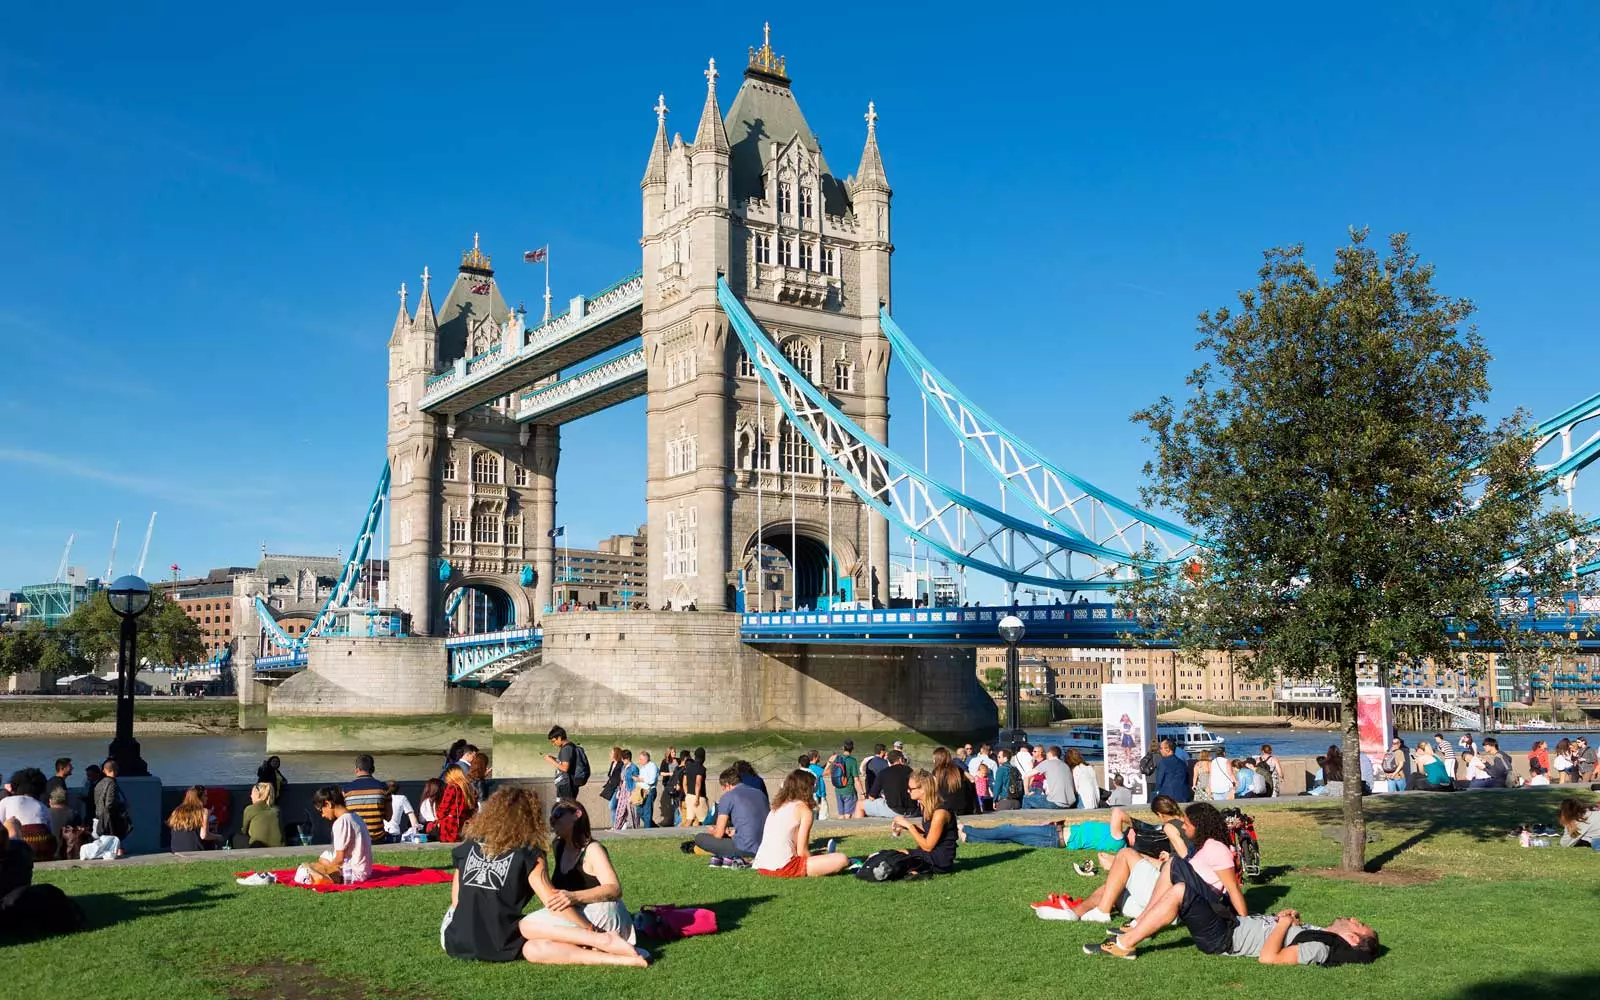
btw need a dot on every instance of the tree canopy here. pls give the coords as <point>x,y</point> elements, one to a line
<point>1357,504</point>
<point>86,640</point>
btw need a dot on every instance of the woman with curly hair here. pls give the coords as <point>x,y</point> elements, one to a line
<point>584,921</point>
<point>457,803</point>
<point>497,866</point>
<point>785,850</point>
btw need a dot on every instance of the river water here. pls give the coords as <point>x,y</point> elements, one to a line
<point>232,759</point>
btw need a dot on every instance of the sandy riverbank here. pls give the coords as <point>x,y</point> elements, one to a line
<point>142,726</point>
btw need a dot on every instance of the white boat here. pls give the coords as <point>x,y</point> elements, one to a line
<point>1193,738</point>
<point>1084,739</point>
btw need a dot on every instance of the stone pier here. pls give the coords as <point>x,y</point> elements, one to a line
<point>375,695</point>
<point>623,676</point>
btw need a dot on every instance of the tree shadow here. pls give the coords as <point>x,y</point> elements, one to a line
<point>1259,898</point>
<point>1273,872</point>
<point>1536,986</point>
<point>731,911</point>
<point>108,909</point>
<point>969,863</point>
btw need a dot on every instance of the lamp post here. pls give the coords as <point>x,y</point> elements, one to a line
<point>1011,632</point>
<point>129,597</point>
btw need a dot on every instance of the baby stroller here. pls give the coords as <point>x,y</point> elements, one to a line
<point>1246,848</point>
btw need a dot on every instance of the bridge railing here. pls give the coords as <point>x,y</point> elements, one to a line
<point>599,376</point>
<point>501,637</point>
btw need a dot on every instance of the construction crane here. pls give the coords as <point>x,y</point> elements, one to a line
<point>145,551</point>
<point>111,563</point>
<point>66,554</point>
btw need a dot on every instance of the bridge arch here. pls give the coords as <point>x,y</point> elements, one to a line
<point>490,603</point>
<point>796,557</point>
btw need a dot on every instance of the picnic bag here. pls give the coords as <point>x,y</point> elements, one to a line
<point>671,923</point>
<point>890,866</point>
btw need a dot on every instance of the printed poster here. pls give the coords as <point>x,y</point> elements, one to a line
<point>1374,723</point>
<point>1128,715</point>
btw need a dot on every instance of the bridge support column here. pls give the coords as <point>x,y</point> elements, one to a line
<point>546,449</point>
<point>252,693</point>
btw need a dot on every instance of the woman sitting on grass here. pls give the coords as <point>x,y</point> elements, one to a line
<point>1580,824</point>
<point>500,867</point>
<point>785,850</point>
<point>191,823</point>
<point>937,837</point>
<point>1430,774</point>
<point>584,921</point>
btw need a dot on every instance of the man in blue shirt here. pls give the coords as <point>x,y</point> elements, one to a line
<point>741,816</point>
<point>1172,775</point>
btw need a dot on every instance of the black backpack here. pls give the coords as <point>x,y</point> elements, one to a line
<point>580,767</point>
<point>1147,764</point>
<point>891,866</point>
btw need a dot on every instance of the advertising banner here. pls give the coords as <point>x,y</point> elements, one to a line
<point>1375,723</point>
<point>1128,716</point>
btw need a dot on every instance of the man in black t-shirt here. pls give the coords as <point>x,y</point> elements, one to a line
<point>692,782</point>
<point>871,768</point>
<point>893,798</point>
<point>563,760</point>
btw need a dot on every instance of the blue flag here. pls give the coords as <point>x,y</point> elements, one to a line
<point>557,532</point>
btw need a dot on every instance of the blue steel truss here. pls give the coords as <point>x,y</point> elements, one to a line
<point>1068,503</point>
<point>481,659</point>
<point>961,528</point>
<point>344,588</point>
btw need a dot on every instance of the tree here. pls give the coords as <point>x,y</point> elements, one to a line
<point>167,635</point>
<point>994,680</point>
<point>1356,505</point>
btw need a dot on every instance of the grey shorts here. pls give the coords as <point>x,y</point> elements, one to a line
<point>877,808</point>
<point>607,916</point>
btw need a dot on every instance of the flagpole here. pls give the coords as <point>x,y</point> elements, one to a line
<point>547,284</point>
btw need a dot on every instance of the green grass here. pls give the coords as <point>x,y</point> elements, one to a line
<point>1482,919</point>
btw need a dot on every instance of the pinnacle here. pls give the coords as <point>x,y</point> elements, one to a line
<point>711,135</point>
<point>425,321</point>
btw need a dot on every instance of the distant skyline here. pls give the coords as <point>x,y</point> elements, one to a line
<point>208,213</point>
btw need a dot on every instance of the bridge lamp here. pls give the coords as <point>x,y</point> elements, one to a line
<point>1011,632</point>
<point>130,598</point>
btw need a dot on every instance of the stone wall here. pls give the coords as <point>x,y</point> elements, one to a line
<point>679,675</point>
<point>373,695</point>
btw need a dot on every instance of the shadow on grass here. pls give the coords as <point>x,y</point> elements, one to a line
<point>107,909</point>
<point>1485,816</point>
<point>1259,898</point>
<point>1536,986</point>
<point>731,911</point>
<point>969,863</point>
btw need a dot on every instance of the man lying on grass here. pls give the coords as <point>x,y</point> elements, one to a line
<point>1122,830</point>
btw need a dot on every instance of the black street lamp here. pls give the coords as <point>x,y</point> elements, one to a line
<point>1011,632</point>
<point>130,597</point>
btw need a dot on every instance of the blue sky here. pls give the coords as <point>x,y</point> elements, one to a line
<point>205,212</point>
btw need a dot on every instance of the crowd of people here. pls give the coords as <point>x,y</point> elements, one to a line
<point>55,819</point>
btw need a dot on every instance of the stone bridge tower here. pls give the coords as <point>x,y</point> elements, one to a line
<point>475,491</point>
<point>754,199</point>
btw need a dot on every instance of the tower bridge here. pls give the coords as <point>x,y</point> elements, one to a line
<point>759,329</point>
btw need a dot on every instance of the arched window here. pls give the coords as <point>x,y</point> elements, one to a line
<point>795,452</point>
<point>799,354</point>
<point>841,375</point>
<point>785,197</point>
<point>747,368</point>
<point>805,202</point>
<point>486,467</point>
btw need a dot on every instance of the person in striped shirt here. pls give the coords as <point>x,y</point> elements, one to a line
<point>1446,753</point>
<point>368,798</point>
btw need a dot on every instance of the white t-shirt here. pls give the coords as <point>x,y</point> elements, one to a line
<point>1024,764</point>
<point>1221,784</point>
<point>350,836</point>
<point>1088,788</point>
<point>648,773</point>
<point>426,812</point>
<point>777,836</point>
<point>972,765</point>
<point>25,809</point>
<point>1258,784</point>
<point>399,809</point>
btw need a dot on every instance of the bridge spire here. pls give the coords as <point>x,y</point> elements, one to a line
<point>402,321</point>
<point>655,172</point>
<point>870,175</point>
<point>711,135</point>
<point>425,320</point>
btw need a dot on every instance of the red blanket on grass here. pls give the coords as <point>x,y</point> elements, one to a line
<point>383,877</point>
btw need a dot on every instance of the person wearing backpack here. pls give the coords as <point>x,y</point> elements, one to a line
<point>570,762</point>
<point>1008,789</point>
<point>842,774</point>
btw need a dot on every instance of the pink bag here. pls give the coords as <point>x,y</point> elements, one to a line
<point>669,923</point>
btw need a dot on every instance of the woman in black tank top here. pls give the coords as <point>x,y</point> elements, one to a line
<point>584,921</point>
<point>936,839</point>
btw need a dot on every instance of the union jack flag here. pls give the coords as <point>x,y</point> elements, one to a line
<point>535,256</point>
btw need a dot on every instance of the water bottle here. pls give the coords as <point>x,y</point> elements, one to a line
<point>1525,838</point>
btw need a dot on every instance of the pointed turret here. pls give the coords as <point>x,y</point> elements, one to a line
<point>870,175</point>
<point>711,134</point>
<point>425,321</point>
<point>402,320</point>
<point>655,172</point>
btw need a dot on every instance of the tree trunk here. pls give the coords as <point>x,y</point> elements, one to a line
<point>1354,858</point>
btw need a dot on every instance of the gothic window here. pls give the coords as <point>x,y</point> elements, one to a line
<point>763,249</point>
<point>674,456</point>
<point>785,252</point>
<point>830,262</point>
<point>805,255</point>
<point>405,472</point>
<point>785,197</point>
<point>513,532</point>
<point>450,467</point>
<point>458,529</point>
<point>486,528</point>
<point>805,203</point>
<point>841,376</point>
<point>799,354</point>
<point>486,467</point>
<point>747,368</point>
<point>519,475</point>
<point>764,454</point>
<point>795,453</point>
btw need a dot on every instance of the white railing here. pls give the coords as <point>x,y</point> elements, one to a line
<point>618,369</point>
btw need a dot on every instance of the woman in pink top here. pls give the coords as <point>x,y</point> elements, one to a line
<point>785,850</point>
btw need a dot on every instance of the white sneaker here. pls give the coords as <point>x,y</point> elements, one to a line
<point>302,875</point>
<point>1054,913</point>
<point>258,878</point>
<point>1095,916</point>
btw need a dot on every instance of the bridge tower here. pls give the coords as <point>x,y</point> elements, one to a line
<point>472,496</point>
<point>752,198</point>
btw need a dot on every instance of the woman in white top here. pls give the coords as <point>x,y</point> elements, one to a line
<point>428,805</point>
<point>785,850</point>
<point>1083,780</point>
<point>1475,768</point>
<point>1223,781</point>
<point>403,819</point>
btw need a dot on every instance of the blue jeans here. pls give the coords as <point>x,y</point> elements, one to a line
<point>1044,835</point>
<point>1036,800</point>
<point>847,804</point>
<point>647,811</point>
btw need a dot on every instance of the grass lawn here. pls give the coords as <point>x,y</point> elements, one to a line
<point>1462,911</point>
